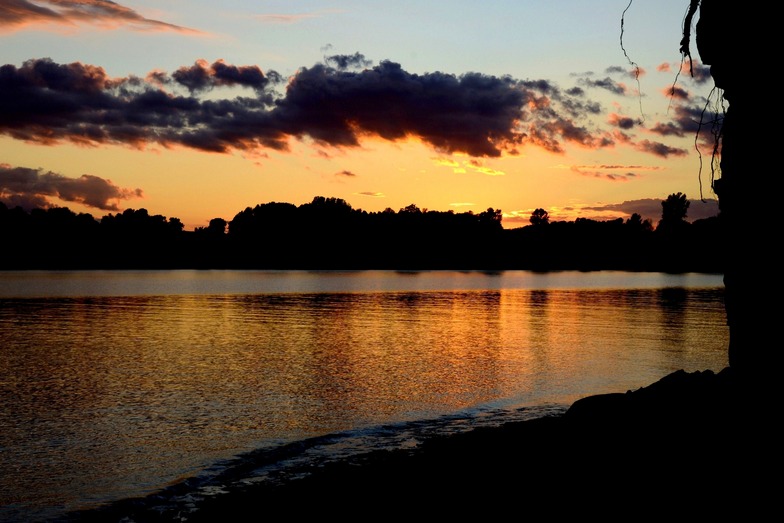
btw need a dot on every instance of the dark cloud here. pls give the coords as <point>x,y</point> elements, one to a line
<point>546,134</point>
<point>576,108</point>
<point>634,73</point>
<point>345,173</point>
<point>202,76</point>
<point>690,120</point>
<point>650,147</point>
<point>622,122</point>
<point>667,129</point>
<point>693,118</point>
<point>676,92</point>
<point>343,61</point>
<point>696,72</point>
<point>699,73</point>
<point>30,188</point>
<point>480,115</point>
<point>46,102</point>
<point>660,149</point>
<point>15,14</point>
<point>608,84</point>
<point>473,113</point>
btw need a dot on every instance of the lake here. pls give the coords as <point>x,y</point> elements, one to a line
<point>117,384</point>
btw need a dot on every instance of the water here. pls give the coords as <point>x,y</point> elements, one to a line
<point>119,384</point>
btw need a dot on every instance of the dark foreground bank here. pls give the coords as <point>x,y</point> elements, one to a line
<point>699,444</point>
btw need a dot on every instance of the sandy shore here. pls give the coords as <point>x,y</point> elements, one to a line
<point>693,444</point>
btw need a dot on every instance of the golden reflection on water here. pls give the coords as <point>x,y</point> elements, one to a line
<point>109,396</point>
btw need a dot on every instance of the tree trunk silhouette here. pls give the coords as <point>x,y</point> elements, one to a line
<point>729,39</point>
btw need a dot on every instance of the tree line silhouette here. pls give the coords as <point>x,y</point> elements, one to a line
<point>329,234</point>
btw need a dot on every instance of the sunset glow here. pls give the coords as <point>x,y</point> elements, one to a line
<point>201,112</point>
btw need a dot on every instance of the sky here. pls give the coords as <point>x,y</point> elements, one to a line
<point>198,109</point>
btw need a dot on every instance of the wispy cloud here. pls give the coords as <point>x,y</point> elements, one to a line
<point>517,218</point>
<point>30,188</point>
<point>614,173</point>
<point>447,162</point>
<point>473,164</point>
<point>19,14</point>
<point>289,18</point>
<point>608,84</point>
<point>660,149</point>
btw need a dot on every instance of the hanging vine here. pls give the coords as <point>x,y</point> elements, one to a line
<point>718,108</point>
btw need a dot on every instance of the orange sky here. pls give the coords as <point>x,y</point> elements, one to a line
<point>199,113</point>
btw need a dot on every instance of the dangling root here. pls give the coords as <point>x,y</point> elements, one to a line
<point>685,52</point>
<point>632,63</point>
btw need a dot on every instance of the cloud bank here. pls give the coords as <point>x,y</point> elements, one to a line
<point>46,102</point>
<point>338,103</point>
<point>651,208</point>
<point>32,188</point>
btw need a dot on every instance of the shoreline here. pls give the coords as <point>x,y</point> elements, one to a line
<point>690,441</point>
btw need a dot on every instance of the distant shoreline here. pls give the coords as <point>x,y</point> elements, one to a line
<point>328,234</point>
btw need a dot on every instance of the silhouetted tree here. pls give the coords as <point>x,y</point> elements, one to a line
<point>539,217</point>
<point>328,233</point>
<point>210,246</point>
<point>217,227</point>
<point>136,239</point>
<point>271,218</point>
<point>175,225</point>
<point>411,209</point>
<point>635,222</point>
<point>330,205</point>
<point>491,219</point>
<point>674,210</point>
